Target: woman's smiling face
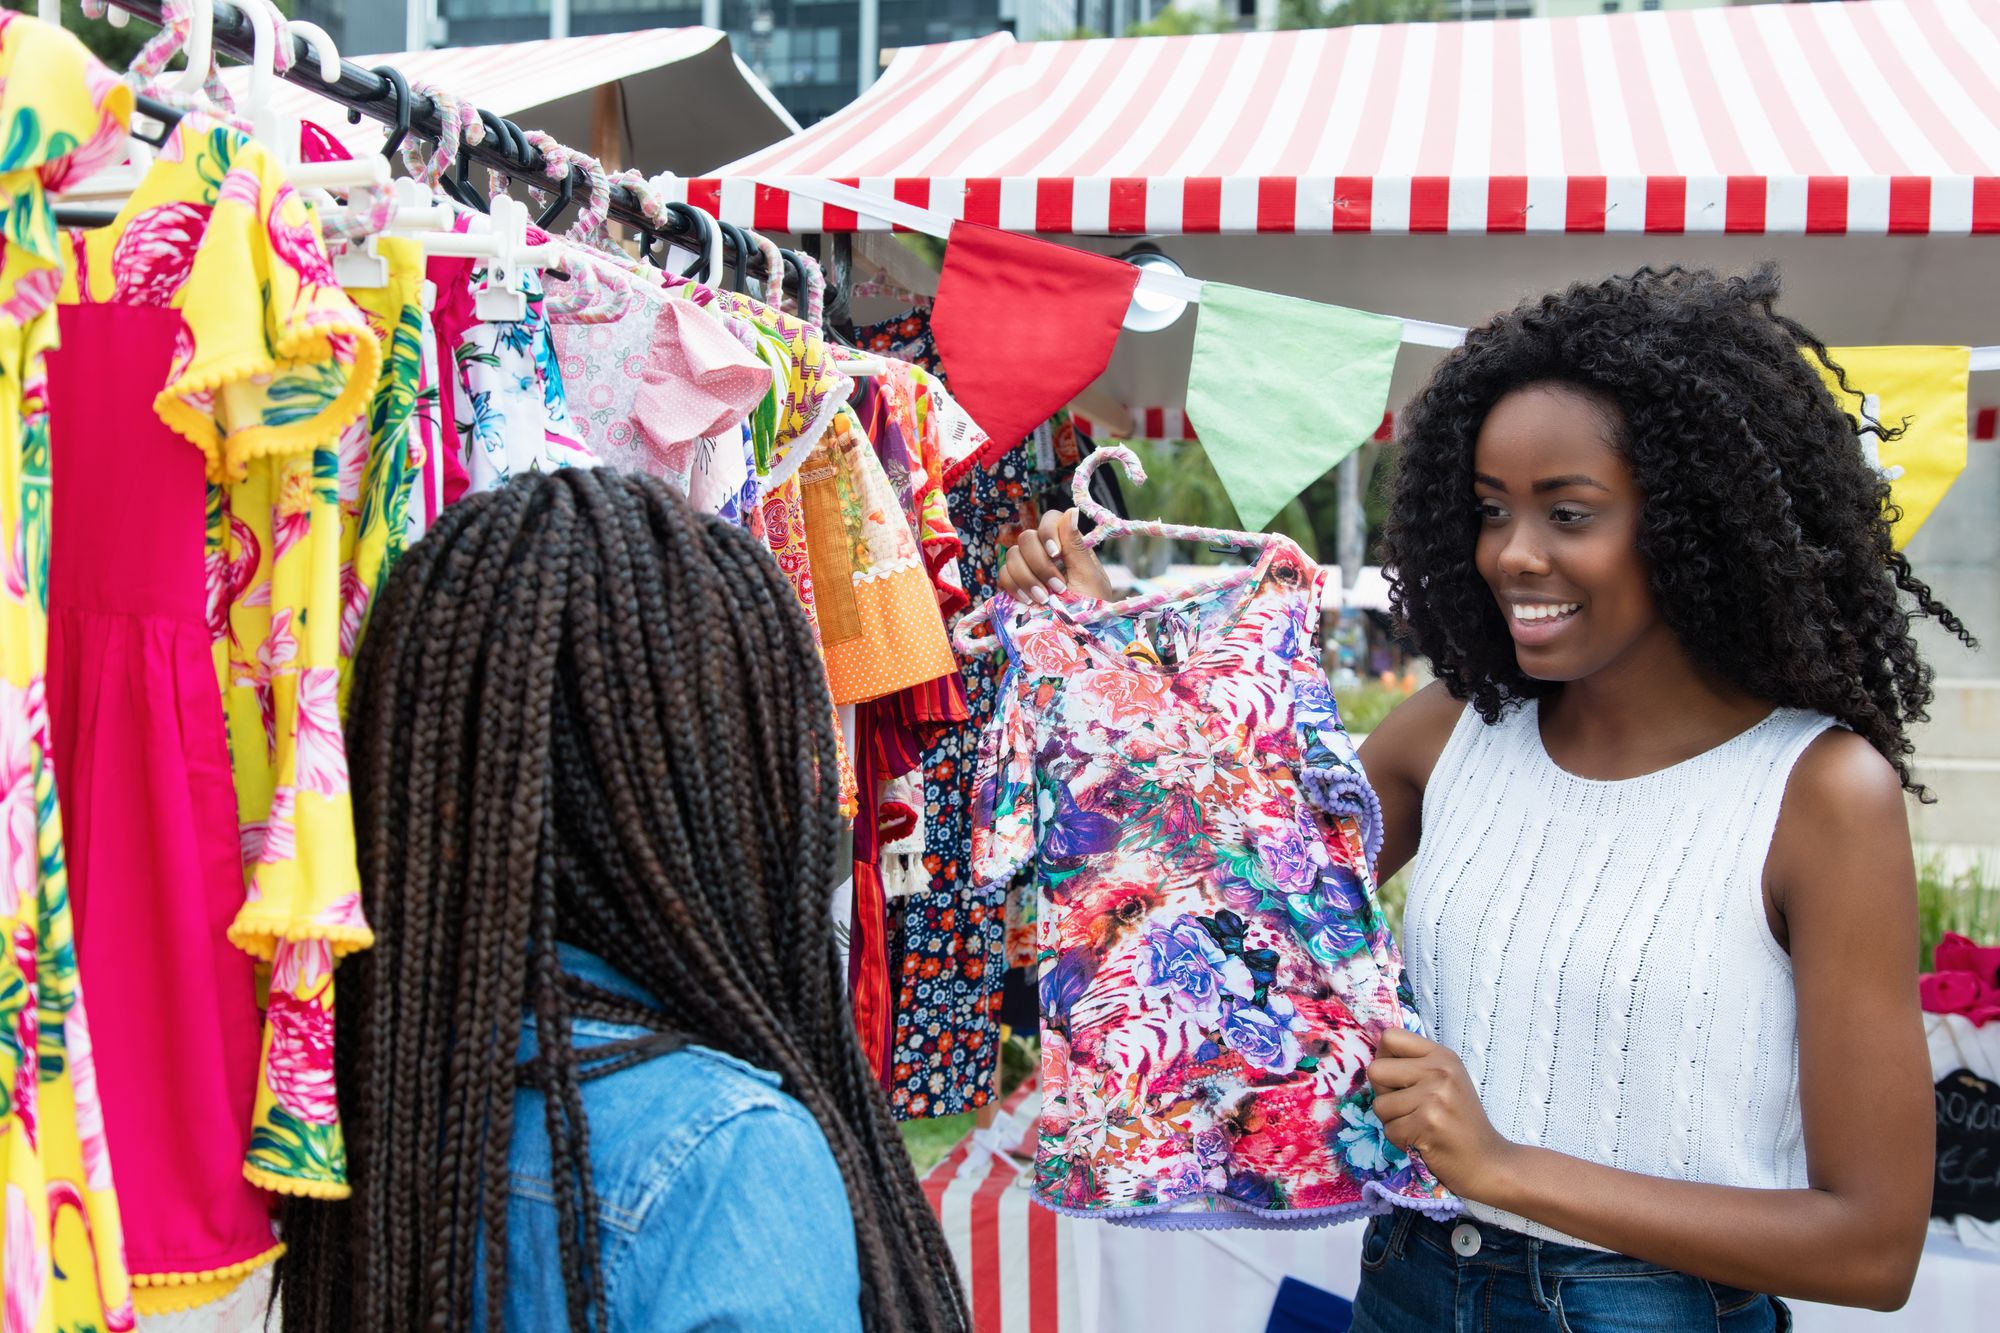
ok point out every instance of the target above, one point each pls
(1559, 532)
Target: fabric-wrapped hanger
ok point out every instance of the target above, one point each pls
(1107, 525)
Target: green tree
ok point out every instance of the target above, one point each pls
(1348, 13)
(1171, 22)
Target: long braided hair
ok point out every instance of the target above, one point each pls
(585, 713)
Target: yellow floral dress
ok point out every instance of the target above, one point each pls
(381, 463)
(273, 365)
(62, 1258)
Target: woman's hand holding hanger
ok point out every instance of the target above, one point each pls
(1051, 559)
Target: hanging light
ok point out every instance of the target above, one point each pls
(1152, 310)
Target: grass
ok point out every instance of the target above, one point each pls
(930, 1141)
(1965, 903)
(1363, 706)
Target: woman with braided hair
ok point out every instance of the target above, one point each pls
(598, 1071)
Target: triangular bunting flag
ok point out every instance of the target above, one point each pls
(1023, 325)
(1921, 390)
(1282, 389)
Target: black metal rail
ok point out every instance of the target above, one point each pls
(371, 94)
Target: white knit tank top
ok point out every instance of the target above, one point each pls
(1597, 953)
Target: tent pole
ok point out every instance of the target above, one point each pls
(1351, 530)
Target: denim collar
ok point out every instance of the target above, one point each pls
(589, 968)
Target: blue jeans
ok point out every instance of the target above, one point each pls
(1420, 1276)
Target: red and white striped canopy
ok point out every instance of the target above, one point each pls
(1870, 117)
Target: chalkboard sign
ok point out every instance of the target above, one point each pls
(1968, 1147)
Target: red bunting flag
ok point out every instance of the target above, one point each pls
(1023, 325)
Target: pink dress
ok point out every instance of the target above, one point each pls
(148, 800)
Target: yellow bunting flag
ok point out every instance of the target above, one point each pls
(1920, 390)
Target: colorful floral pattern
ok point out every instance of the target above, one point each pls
(64, 117)
(512, 411)
(950, 934)
(273, 378)
(1215, 971)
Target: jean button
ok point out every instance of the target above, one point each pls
(1465, 1239)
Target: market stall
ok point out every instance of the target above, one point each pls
(1443, 172)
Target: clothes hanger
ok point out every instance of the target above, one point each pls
(1108, 525)
(200, 47)
(739, 269)
(157, 98)
(795, 278)
(400, 88)
(565, 192)
(708, 243)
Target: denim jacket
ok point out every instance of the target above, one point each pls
(719, 1206)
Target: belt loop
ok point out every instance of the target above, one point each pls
(1399, 1235)
(1535, 1272)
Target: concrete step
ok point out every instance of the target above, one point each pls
(1965, 722)
(1968, 801)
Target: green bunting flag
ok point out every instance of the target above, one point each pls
(1281, 390)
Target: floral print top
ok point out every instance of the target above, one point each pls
(1215, 970)
(274, 364)
(64, 118)
(512, 411)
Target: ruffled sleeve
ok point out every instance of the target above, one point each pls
(276, 365)
(275, 359)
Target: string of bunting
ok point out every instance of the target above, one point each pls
(1282, 389)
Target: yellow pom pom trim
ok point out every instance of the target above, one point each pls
(173, 1293)
(297, 1186)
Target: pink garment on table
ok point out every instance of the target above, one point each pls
(148, 800)
(1967, 981)
(701, 381)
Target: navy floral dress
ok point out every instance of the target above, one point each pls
(946, 952)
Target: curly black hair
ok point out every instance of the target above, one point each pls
(584, 713)
(1765, 529)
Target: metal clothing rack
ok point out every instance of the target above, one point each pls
(371, 94)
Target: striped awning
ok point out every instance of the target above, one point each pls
(1870, 117)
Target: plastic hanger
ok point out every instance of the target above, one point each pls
(325, 53)
(709, 240)
(739, 269)
(200, 45)
(400, 86)
(564, 193)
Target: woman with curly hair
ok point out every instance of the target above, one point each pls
(1662, 921)
(598, 1071)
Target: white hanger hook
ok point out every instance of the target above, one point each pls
(263, 111)
(200, 47)
(323, 49)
